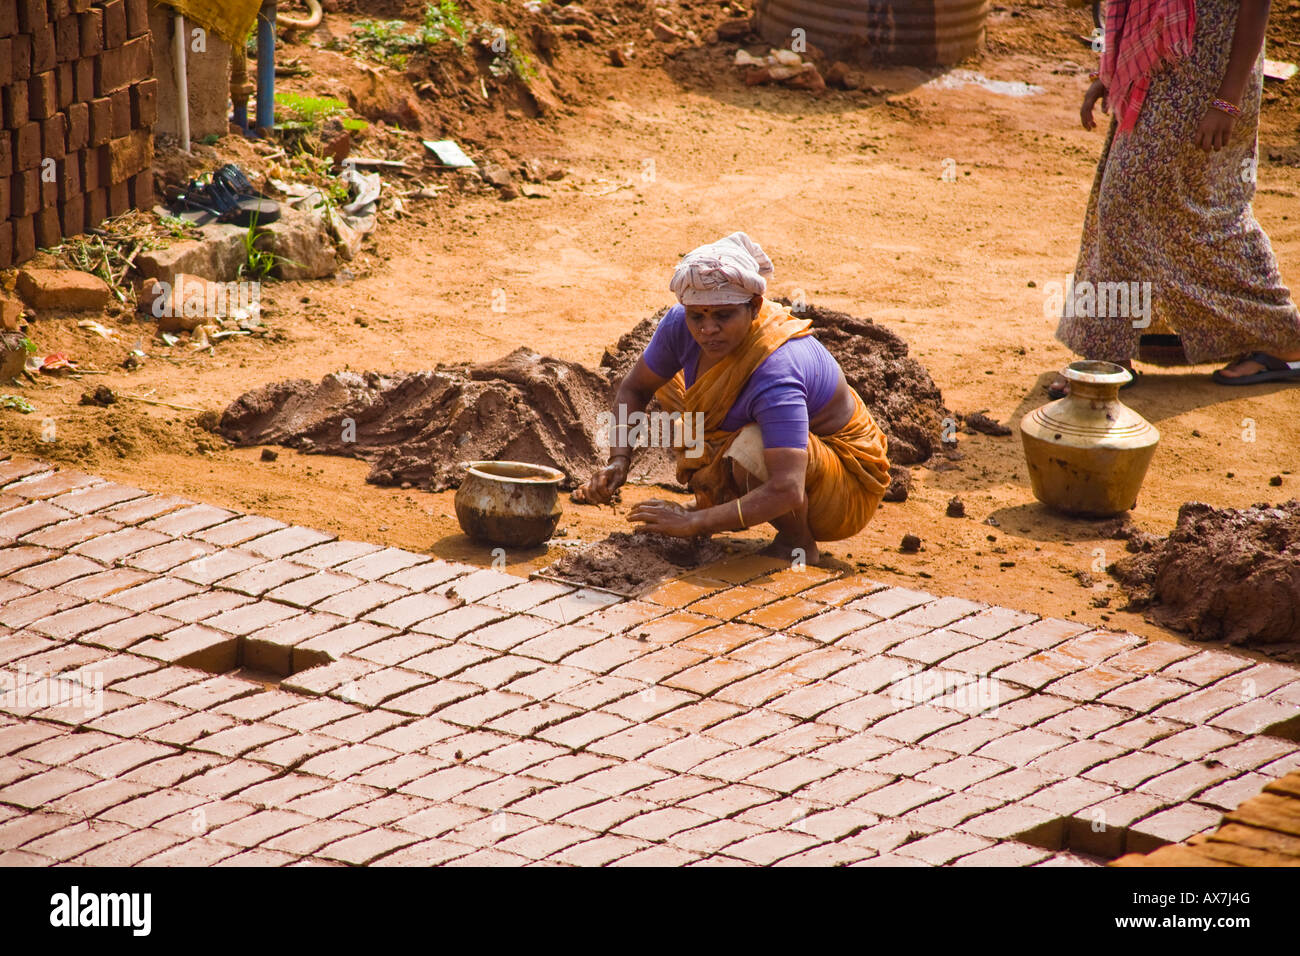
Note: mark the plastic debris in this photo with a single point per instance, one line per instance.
(93, 326)
(448, 153)
(17, 403)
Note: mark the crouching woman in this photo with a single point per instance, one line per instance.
(787, 440)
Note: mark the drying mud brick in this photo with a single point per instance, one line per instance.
(101, 121)
(49, 192)
(144, 103)
(129, 155)
(6, 61)
(17, 104)
(121, 109)
(119, 198)
(43, 55)
(72, 214)
(91, 24)
(54, 137)
(6, 154)
(68, 175)
(62, 289)
(27, 146)
(90, 167)
(25, 198)
(31, 14)
(96, 206)
(24, 238)
(21, 48)
(78, 115)
(49, 230)
(1221, 574)
(67, 39)
(137, 17)
(115, 32)
(83, 75)
(8, 19)
(65, 80)
(43, 97)
(4, 200)
(143, 195)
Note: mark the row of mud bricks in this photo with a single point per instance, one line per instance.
(79, 102)
(1263, 831)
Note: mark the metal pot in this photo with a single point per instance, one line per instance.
(509, 502)
(1088, 452)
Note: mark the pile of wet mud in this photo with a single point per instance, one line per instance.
(1222, 574)
(416, 428)
(633, 563)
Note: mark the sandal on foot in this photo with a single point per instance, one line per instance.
(1275, 370)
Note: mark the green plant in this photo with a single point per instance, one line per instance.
(18, 403)
(442, 21)
(354, 124)
(384, 40)
(308, 110)
(29, 345)
(393, 42)
(257, 263)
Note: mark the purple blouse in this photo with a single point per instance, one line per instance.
(791, 385)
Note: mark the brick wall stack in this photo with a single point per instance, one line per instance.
(79, 103)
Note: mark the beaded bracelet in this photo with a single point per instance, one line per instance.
(1225, 107)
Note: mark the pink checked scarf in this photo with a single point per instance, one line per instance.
(1140, 35)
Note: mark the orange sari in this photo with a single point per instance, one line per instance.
(848, 472)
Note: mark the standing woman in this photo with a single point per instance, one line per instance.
(1170, 204)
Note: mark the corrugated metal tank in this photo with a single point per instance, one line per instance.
(917, 32)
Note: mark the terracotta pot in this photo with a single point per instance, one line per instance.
(509, 502)
(1088, 452)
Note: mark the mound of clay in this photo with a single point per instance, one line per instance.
(635, 563)
(1222, 574)
(418, 427)
(896, 388)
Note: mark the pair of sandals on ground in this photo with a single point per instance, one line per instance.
(1271, 369)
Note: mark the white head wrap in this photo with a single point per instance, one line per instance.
(727, 272)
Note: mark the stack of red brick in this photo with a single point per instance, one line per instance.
(79, 103)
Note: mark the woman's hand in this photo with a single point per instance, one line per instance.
(1095, 92)
(600, 488)
(665, 517)
(1213, 132)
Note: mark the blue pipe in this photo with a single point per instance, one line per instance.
(266, 65)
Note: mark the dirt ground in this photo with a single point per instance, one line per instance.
(847, 192)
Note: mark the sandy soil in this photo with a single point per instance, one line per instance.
(847, 193)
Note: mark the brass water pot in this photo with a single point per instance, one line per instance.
(1088, 452)
(509, 502)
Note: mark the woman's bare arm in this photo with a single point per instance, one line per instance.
(1247, 41)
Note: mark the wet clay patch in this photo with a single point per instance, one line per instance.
(1222, 574)
(416, 428)
(633, 563)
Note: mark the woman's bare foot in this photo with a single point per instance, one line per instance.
(793, 551)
